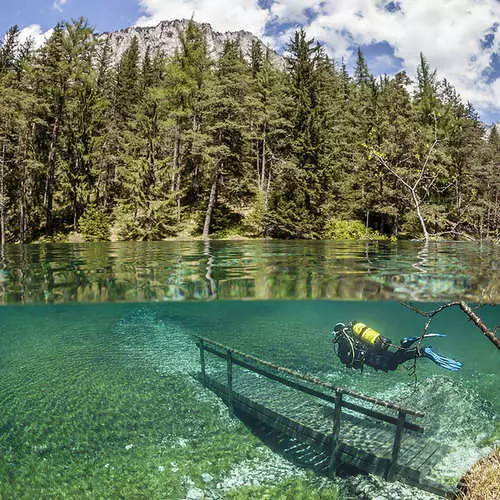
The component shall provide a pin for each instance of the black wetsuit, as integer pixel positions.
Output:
(355, 353)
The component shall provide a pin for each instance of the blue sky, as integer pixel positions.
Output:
(461, 38)
(103, 15)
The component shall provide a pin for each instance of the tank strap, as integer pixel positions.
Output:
(363, 330)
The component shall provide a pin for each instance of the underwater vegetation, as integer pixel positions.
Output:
(100, 400)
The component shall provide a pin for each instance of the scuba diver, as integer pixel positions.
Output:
(359, 345)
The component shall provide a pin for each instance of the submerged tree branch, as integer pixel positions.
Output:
(490, 334)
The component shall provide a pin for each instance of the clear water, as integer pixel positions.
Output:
(96, 354)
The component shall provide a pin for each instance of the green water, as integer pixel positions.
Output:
(97, 397)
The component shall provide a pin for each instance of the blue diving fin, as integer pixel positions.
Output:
(447, 363)
(408, 341)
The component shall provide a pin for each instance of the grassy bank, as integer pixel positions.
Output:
(482, 482)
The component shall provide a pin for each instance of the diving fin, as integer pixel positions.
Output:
(408, 341)
(447, 363)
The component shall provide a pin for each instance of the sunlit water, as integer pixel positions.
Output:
(97, 396)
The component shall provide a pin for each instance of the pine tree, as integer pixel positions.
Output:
(225, 122)
(128, 82)
(298, 204)
(77, 133)
(426, 93)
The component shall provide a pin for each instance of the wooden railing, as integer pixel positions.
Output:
(320, 389)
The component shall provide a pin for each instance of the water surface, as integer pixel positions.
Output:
(97, 354)
(173, 270)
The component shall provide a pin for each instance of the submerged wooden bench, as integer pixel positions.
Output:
(323, 425)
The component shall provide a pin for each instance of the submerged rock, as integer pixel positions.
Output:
(206, 477)
(194, 494)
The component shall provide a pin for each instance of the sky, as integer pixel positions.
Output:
(460, 38)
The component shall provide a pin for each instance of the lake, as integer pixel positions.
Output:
(97, 356)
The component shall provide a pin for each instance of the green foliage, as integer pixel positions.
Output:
(159, 142)
(254, 221)
(336, 229)
(94, 224)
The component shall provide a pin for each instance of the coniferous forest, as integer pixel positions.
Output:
(156, 147)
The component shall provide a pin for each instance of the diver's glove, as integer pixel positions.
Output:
(408, 341)
(447, 363)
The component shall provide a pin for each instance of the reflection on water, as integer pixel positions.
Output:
(171, 271)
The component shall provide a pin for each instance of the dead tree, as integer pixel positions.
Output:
(418, 188)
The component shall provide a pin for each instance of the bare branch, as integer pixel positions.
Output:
(480, 324)
(466, 309)
(427, 158)
(388, 167)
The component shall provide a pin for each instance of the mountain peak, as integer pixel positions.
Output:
(165, 38)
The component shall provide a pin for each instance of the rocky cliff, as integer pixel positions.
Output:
(165, 38)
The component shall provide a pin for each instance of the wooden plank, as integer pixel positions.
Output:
(229, 382)
(381, 416)
(398, 435)
(272, 418)
(334, 452)
(411, 453)
(202, 362)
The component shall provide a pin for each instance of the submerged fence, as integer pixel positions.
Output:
(322, 390)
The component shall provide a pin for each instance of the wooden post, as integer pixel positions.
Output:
(229, 382)
(202, 363)
(334, 445)
(397, 445)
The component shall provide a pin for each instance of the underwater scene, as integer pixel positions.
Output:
(100, 393)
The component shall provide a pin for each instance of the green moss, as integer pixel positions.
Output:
(296, 489)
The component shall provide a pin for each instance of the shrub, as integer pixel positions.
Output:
(94, 224)
(336, 229)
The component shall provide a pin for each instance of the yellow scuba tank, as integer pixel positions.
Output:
(370, 336)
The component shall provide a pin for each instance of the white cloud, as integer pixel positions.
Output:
(231, 16)
(58, 4)
(34, 31)
(448, 32)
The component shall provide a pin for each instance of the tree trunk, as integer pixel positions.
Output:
(211, 202)
(268, 189)
(419, 214)
(178, 175)
(22, 216)
(257, 166)
(174, 161)
(2, 198)
(51, 170)
(263, 161)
